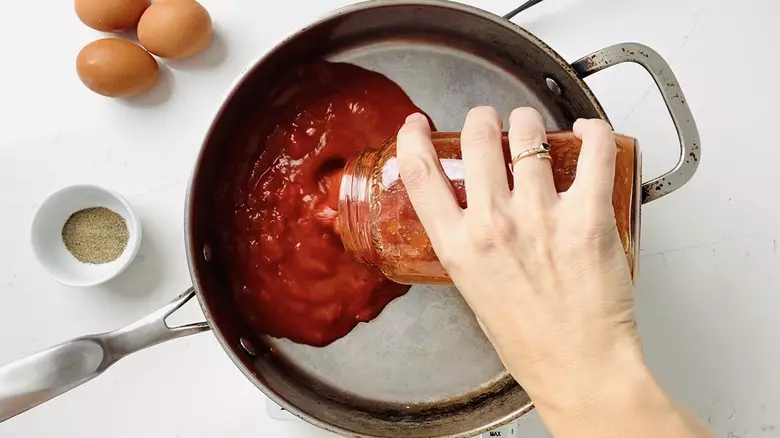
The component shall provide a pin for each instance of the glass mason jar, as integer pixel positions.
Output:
(379, 227)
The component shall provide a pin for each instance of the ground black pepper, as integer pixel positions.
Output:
(95, 235)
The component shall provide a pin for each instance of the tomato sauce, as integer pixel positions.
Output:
(290, 274)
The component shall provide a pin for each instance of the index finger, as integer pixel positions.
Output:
(429, 189)
(596, 165)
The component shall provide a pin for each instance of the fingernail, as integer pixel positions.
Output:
(416, 117)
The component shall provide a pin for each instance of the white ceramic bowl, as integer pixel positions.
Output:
(47, 241)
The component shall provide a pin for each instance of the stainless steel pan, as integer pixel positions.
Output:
(423, 368)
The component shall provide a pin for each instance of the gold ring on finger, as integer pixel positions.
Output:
(541, 152)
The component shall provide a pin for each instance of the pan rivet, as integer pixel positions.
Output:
(206, 252)
(553, 86)
(247, 346)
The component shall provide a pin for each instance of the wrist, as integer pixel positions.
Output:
(621, 398)
(592, 393)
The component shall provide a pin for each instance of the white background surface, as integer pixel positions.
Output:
(708, 285)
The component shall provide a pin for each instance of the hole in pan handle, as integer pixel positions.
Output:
(42, 376)
(690, 144)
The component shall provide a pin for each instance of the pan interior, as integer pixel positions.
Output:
(422, 368)
(447, 81)
(425, 347)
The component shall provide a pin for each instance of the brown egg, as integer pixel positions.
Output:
(111, 15)
(175, 28)
(116, 68)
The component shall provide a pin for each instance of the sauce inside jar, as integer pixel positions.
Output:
(290, 274)
(377, 222)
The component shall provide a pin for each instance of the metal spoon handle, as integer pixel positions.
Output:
(42, 376)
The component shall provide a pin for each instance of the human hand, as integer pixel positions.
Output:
(545, 273)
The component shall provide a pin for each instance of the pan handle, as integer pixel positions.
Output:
(42, 376)
(528, 4)
(690, 145)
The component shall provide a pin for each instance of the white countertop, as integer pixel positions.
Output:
(708, 297)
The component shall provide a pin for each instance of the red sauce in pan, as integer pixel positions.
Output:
(291, 276)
